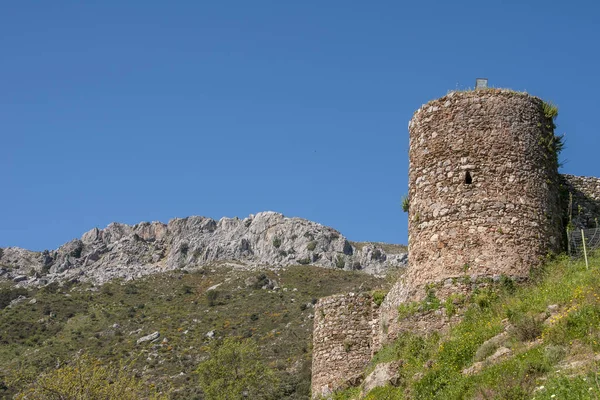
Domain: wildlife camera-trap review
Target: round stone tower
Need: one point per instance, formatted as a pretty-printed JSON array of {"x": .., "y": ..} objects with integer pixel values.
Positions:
[{"x": 483, "y": 188}]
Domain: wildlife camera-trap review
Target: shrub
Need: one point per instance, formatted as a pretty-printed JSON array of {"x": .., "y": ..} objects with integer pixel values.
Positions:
[
  {"x": 77, "y": 251},
  {"x": 376, "y": 255},
  {"x": 527, "y": 328},
  {"x": 184, "y": 248},
  {"x": 8, "y": 295},
  {"x": 450, "y": 308},
  {"x": 311, "y": 245},
  {"x": 262, "y": 280},
  {"x": 90, "y": 379},
  {"x": 304, "y": 261},
  {"x": 235, "y": 370},
  {"x": 406, "y": 310},
  {"x": 431, "y": 302},
  {"x": 507, "y": 283},
  {"x": 212, "y": 296},
  {"x": 405, "y": 203},
  {"x": 276, "y": 242},
  {"x": 378, "y": 297},
  {"x": 340, "y": 262}
]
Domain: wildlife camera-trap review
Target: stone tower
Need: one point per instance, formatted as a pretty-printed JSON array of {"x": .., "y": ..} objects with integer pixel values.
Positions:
[
  {"x": 483, "y": 189},
  {"x": 484, "y": 195}
]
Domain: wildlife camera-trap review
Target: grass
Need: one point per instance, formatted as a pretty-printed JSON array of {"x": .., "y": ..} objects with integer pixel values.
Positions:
[
  {"x": 551, "y": 353},
  {"x": 106, "y": 322}
]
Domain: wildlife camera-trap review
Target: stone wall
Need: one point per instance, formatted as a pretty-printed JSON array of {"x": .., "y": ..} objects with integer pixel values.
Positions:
[
  {"x": 585, "y": 205},
  {"x": 345, "y": 328}
]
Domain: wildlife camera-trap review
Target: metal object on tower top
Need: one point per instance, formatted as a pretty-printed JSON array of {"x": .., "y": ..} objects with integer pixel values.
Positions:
[{"x": 481, "y": 83}]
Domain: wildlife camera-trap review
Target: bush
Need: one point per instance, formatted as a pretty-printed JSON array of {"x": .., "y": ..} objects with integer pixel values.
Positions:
[
  {"x": 405, "y": 203},
  {"x": 527, "y": 328},
  {"x": 276, "y": 242},
  {"x": 212, "y": 296},
  {"x": 76, "y": 252},
  {"x": 408, "y": 309},
  {"x": 376, "y": 255},
  {"x": 340, "y": 262},
  {"x": 8, "y": 295},
  {"x": 87, "y": 378},
  {"x": 262, "y": 280},
  {"x": 235, "y": 370},
  {"x": 378, "y": 297},
  {"x": 311, "y": 245},
  {"x": 184, "y": 248}
]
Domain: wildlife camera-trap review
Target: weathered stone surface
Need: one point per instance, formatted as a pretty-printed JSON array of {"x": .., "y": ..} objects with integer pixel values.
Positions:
[
  {"x": 483, "y": 187},
  {"x": 585, "y": 207},
  {"x": 343, "y": 341},
  {"x": 264, "y": 239},
  {"x": 149, "y": 337},
  {"x": 384, "y": 374},
  {"x": 500, "y": 354}
]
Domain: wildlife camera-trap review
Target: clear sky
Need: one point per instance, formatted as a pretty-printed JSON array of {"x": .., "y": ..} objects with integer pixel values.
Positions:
[{"x": 136, "y": 111}]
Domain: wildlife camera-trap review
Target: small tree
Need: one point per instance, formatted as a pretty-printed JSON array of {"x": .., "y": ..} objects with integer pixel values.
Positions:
[
  {"x": 235, "y": 371},
  {"x": 87, "y": 378}
]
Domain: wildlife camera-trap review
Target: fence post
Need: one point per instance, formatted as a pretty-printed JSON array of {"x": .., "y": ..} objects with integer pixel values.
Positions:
[{"x": 584, "y": 250}]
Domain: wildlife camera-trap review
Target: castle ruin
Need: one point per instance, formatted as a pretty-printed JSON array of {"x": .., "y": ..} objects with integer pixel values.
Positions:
[{"x": 485, "y": 200}]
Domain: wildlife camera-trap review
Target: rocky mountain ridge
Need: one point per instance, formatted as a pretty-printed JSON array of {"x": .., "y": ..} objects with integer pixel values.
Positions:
[{"x": 267, "y": 239}]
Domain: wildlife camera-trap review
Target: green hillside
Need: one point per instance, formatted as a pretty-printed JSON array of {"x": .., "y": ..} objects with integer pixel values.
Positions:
[
  {"x": 273, "y": 308},
  {"x": 536, "y": 341}
]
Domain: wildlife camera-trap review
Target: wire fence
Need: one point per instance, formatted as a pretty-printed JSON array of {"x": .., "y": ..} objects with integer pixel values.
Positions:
[{"x": 582, "y": 241}]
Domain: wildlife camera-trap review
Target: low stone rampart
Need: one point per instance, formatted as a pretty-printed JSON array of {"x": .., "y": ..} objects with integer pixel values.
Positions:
[
  {"x": 585, "y": 205},
  {"x": 344, "y": 337}
]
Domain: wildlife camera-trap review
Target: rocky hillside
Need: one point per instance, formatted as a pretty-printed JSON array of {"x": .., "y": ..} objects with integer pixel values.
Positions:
[
  {"x": 536, "y": 340},
  {"x": 129, "y": 252},
  {"x": 164, "y": 325}
]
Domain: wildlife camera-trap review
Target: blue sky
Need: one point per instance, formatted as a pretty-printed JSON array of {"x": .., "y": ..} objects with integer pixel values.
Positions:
[{"x": 136, "y": 111}]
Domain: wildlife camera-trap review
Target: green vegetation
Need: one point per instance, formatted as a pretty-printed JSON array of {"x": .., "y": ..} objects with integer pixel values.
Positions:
[
  {"x": 8, "y": 294},
  {"x": 550, "y": 110},
  {"x": 378, "y": 297},
  {"x": 235, "y": 370},
  {"x": 553, "y": 143},
  {"x": 405, "y": 203},
  {"x": 86, "y": 378},
  {"x": 276, "y": 242},
  {"x": 106, "y": 321},
  {"x": 429, "y": 303},
  {"x": 311, "y": 245},
  {"x": 550, "y": 327}
]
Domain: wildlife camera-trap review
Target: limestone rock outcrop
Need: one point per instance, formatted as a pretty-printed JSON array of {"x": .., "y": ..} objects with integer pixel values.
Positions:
[{"x": 267, "y": 239}]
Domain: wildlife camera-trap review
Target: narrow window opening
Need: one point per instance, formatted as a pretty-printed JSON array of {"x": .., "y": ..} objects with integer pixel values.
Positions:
[{"x": 468, "y": 179}]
